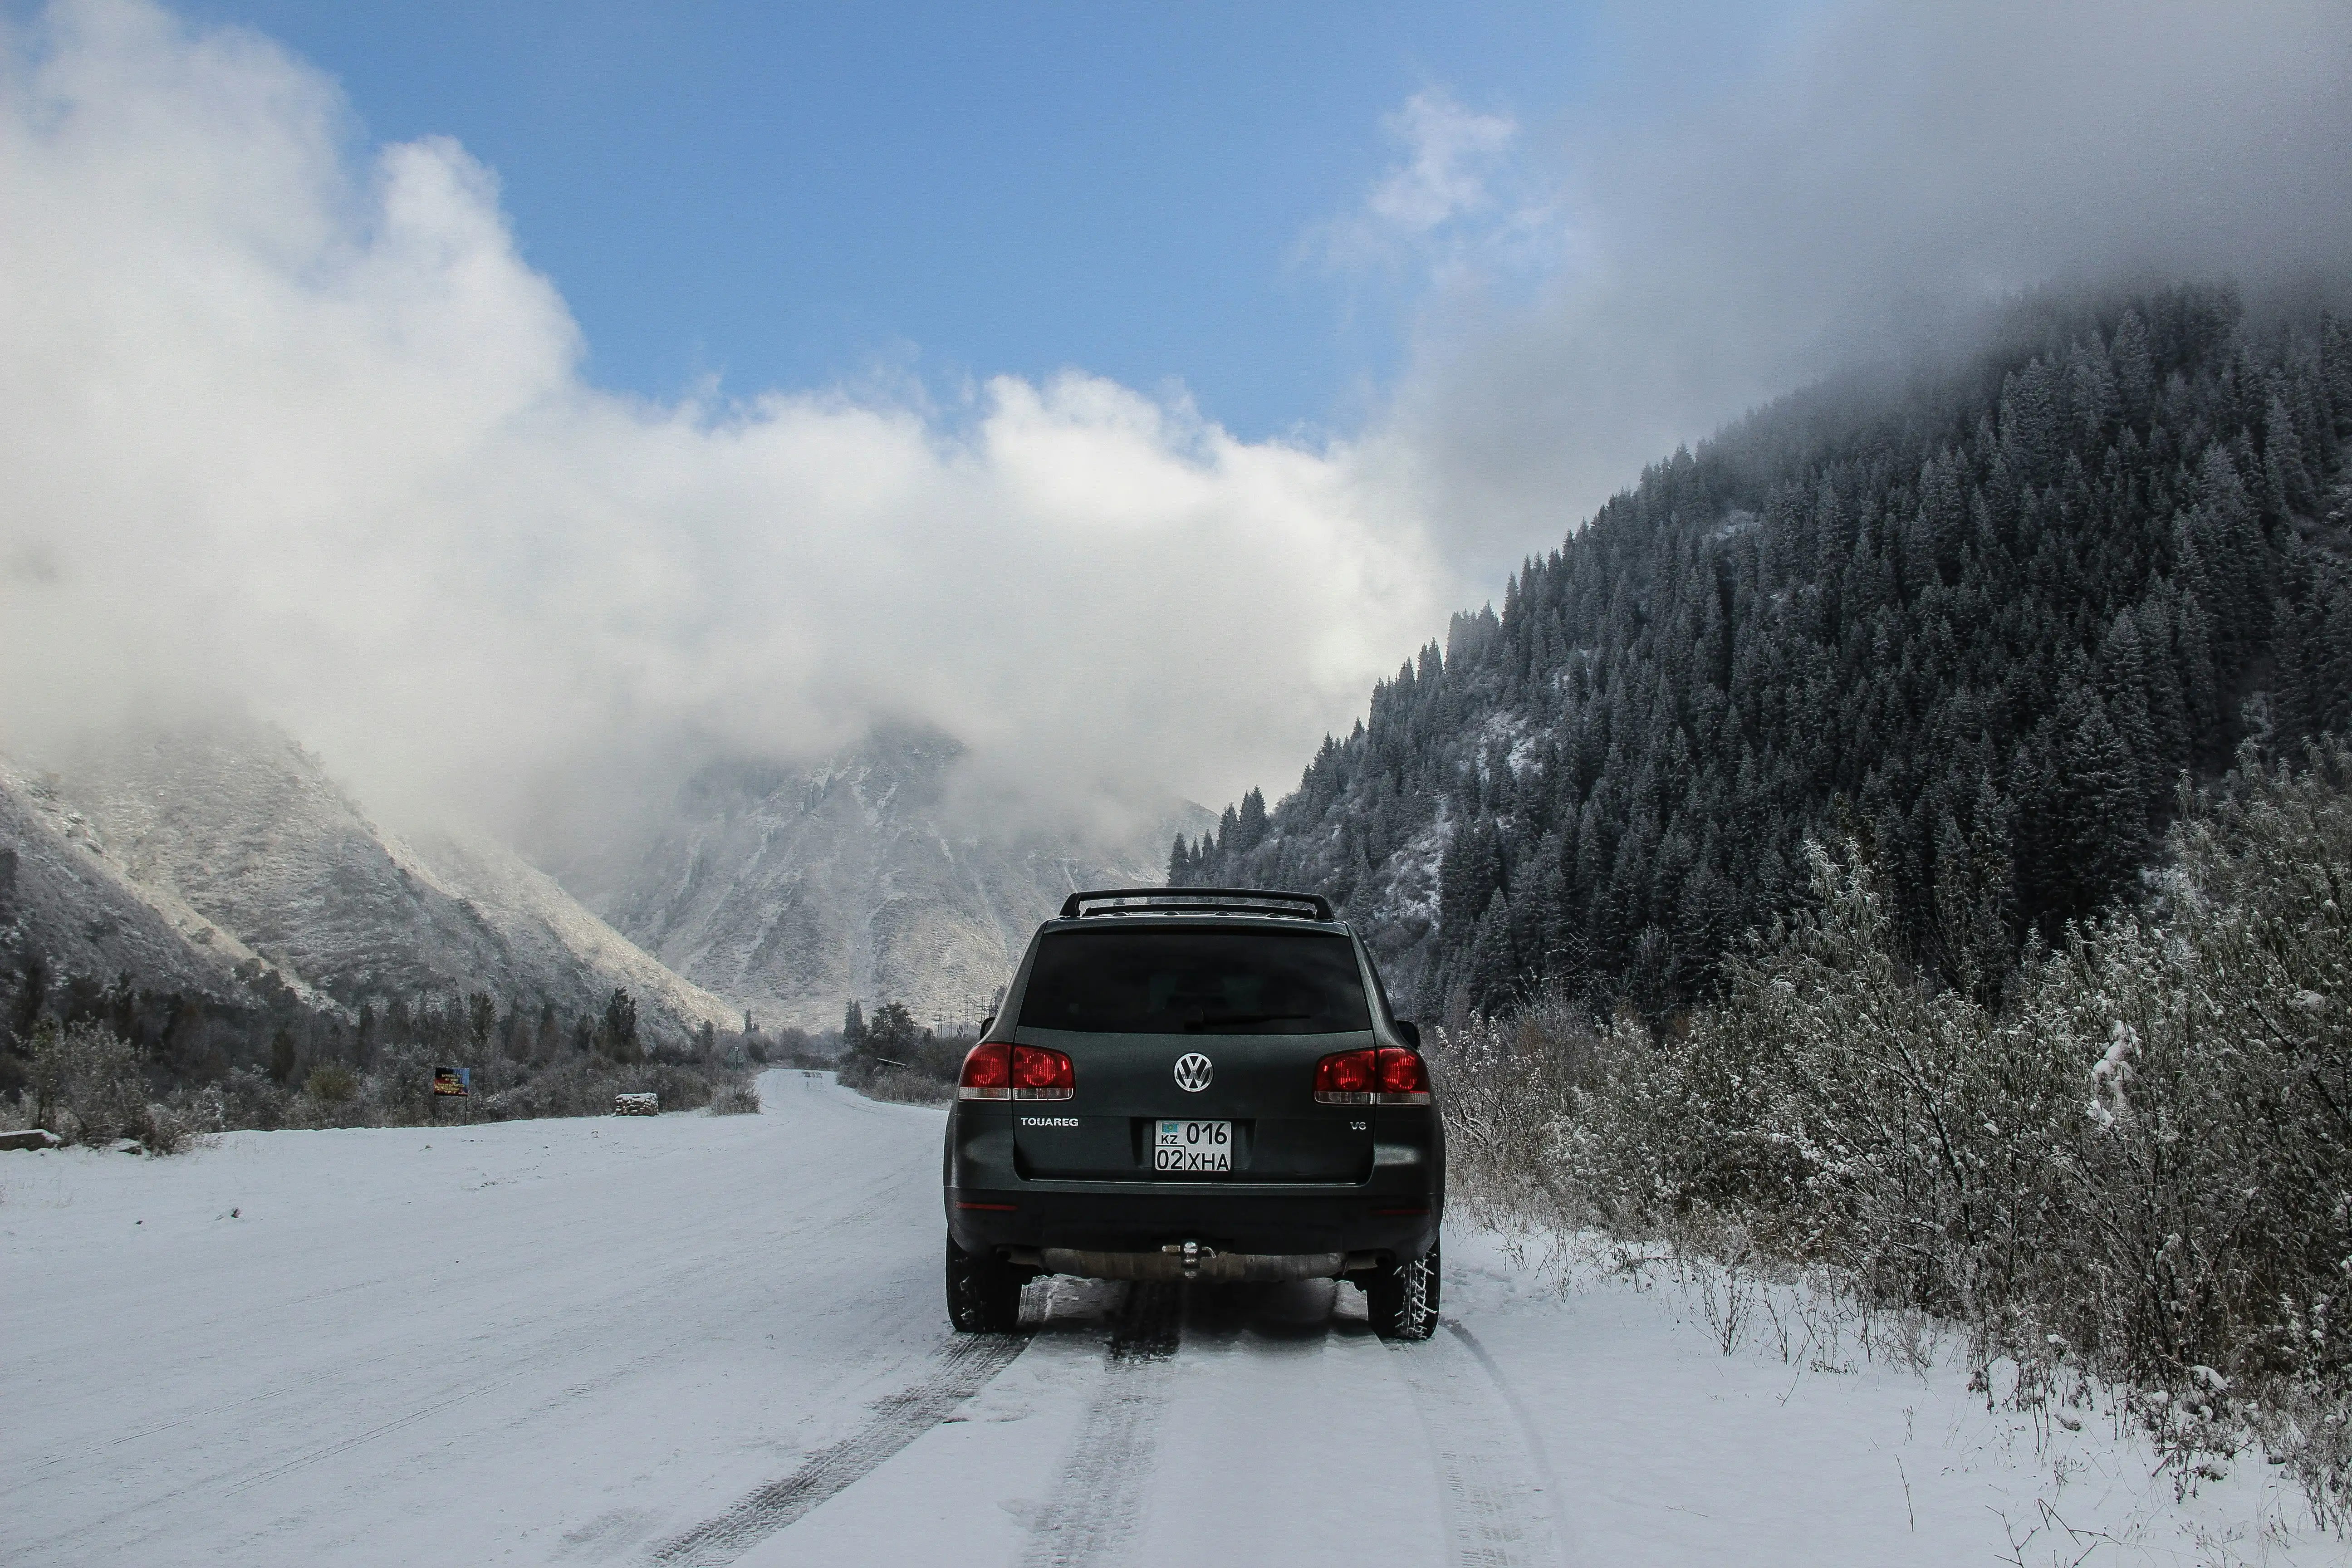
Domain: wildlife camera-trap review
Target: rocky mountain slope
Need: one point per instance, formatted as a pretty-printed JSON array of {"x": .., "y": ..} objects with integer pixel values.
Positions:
[
  {"x": 1981, "y": 624},
  {"x": 67, "y": 903},
  {"x": 231, "y": 828},
  {"x": 795, "y": 892}
]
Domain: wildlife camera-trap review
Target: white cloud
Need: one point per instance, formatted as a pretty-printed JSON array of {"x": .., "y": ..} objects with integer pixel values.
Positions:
[
  {"x": 1458, "y": 210},
  {"x": 1450, "y": 151},
  {"x": 1747, "y": 210},
  {"x": 313, "y": 436}
]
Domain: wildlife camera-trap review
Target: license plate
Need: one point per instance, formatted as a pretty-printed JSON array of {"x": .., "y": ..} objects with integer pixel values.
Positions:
[{"x": 1192, "y": 1146}]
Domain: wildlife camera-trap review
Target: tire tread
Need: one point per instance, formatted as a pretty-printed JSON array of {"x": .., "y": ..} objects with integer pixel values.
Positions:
[{"x": 1402, "y": 1298}]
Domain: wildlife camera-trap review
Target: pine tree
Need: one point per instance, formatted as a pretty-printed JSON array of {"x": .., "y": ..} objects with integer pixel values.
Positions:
[
  {"x": 618, "y": 1034},
  {"x": 1490, "y": 970},
  {"x": 2087, "y": 816},
  {"x": 2124, "y": 684},
  {"x": 1249, "y": 822}
]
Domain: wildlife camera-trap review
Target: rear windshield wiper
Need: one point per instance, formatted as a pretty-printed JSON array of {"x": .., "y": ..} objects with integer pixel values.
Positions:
[{"x": 1205, "y": 1022}]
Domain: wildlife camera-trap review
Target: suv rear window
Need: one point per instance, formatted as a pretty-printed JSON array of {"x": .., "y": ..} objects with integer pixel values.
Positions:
[{"x": 1196, "y": 982}]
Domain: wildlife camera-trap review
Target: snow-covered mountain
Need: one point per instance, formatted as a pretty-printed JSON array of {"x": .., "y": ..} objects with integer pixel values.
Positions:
[
  {"x": 64, "y": 900},
  {"x": 231, "y": 826},
  {"x": 793, "y": 891}
]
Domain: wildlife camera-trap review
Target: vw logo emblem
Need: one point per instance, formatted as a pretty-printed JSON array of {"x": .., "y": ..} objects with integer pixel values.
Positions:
[{"x": 1192, "y": 1072}]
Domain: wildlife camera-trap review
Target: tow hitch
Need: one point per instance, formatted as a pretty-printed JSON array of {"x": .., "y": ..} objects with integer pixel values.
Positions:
[{"x": 1190, "y": 1253}]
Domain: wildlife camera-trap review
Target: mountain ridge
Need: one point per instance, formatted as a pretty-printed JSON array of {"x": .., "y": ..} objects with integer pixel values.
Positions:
[
  {"x": 230, "y": 827},
  {"x": 862, "y": 877},
  {"x": 1981, "y": 624}
]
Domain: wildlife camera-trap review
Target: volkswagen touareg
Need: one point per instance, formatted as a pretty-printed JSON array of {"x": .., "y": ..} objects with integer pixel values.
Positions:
[{"x": 1195, "y": 1084}]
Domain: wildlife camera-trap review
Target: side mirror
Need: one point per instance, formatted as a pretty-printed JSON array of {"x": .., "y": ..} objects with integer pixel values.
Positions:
[
  {"x": 984, "y": 1024},
  {"x": 1409, "y": 1032}
]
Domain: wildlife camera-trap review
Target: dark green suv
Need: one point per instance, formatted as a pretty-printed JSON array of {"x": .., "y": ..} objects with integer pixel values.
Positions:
[{"x": 1195, "y": 1083}]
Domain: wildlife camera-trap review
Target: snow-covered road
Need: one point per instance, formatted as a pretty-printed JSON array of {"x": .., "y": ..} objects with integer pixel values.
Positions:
[{"x": 691, "y": 1339}]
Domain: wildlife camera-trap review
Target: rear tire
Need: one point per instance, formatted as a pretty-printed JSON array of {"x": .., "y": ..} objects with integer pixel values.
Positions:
[
  {"x": 1402, "y": 1298},
  {"x": 983, "y": 1292}
]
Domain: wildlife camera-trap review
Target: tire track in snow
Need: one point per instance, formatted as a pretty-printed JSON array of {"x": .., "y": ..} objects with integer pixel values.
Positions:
[
  {"x": 1097, "y": 1502},
  {"x": 1500, "y": 1502},
  {"x": 965, "y": 1367}
]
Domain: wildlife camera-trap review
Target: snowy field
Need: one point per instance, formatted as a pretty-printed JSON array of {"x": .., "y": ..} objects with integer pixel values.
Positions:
[{"x": 691, "y": 1339}]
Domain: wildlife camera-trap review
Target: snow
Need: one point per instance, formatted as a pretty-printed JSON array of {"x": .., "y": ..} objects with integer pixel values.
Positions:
[{"x": 578, "y": 1341}]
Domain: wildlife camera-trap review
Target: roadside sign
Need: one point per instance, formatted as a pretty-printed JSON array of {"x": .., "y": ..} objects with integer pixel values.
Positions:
[{"x": 459, "y": 1081}]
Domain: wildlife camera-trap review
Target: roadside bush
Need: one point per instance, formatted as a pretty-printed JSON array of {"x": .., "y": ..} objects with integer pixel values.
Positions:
[
  {"x": 168, "y": 1082},
  {"x": 903, "y": 1086},
  {"x": 333, "y": 1089},
  {"x": 88, "y": 1086},
  {"x": 163, "y": 1129},
  {"x": 399, "y": 1092},
  {"x": 898, "y": 1059},
  {"x": 2137, "y": 1166},
  {"x": 586, "y": 1086},
  {"x": 735, "y": 1100},
  {"x": 249, "y": 1097}
]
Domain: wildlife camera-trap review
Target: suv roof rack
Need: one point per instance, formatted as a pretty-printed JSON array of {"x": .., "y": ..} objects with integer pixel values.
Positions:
[{"x": 1198, "y": 901}]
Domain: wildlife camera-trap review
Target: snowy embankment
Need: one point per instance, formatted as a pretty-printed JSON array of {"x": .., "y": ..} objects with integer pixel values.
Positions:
[{"x": 700, "y": 1340}]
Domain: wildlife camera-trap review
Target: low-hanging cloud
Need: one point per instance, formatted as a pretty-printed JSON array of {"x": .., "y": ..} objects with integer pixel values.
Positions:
[
  {"x": 1860, "y": 185},
  {"x": 304, "y": 433}
]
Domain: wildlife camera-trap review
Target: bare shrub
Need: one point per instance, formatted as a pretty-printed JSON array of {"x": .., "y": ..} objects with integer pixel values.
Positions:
[
  {"x": 1716, "y": 1263},
  {"x": 330, "y": 1097},
  {"x": 2134, "y": 1168},
  {"x": 88, "y": 1085},
  {"x": 332, "y": 1084},
  {"x": 1510, "y": 1089},
  {"x": 586, "y": 1085},
  {"x": 250, "y": 1097},
  {"x": 735, "y": 1100},
  {"x": 163, "y": 1129},
  {"x": 905, "y": 1086}
]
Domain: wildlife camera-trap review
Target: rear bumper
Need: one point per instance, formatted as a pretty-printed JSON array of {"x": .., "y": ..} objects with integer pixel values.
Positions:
[
  {"x": 1173, "y": 1263},
  {"x": 1133, "y": 1218},
  {"x": 1391, "y": 1212}
]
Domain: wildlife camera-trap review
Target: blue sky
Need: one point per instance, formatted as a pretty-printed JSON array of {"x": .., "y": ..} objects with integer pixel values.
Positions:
[{"x": 794, "y": 196}]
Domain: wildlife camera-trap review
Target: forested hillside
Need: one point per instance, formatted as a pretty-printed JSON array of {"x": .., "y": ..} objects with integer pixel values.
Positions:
[{"x": 1981, "y": 623}]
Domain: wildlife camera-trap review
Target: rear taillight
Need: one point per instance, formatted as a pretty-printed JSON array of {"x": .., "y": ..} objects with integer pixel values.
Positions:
[
  {"x": 1042, "y": 1074},
  {"x": 1404, "y": 1078},
  {"x": 1001, "y": 1070},
  {"x": 987, "y": 1072},
  {"x": 1346, "y": 1078},
  {"x": 1388, "y": 1076}
]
